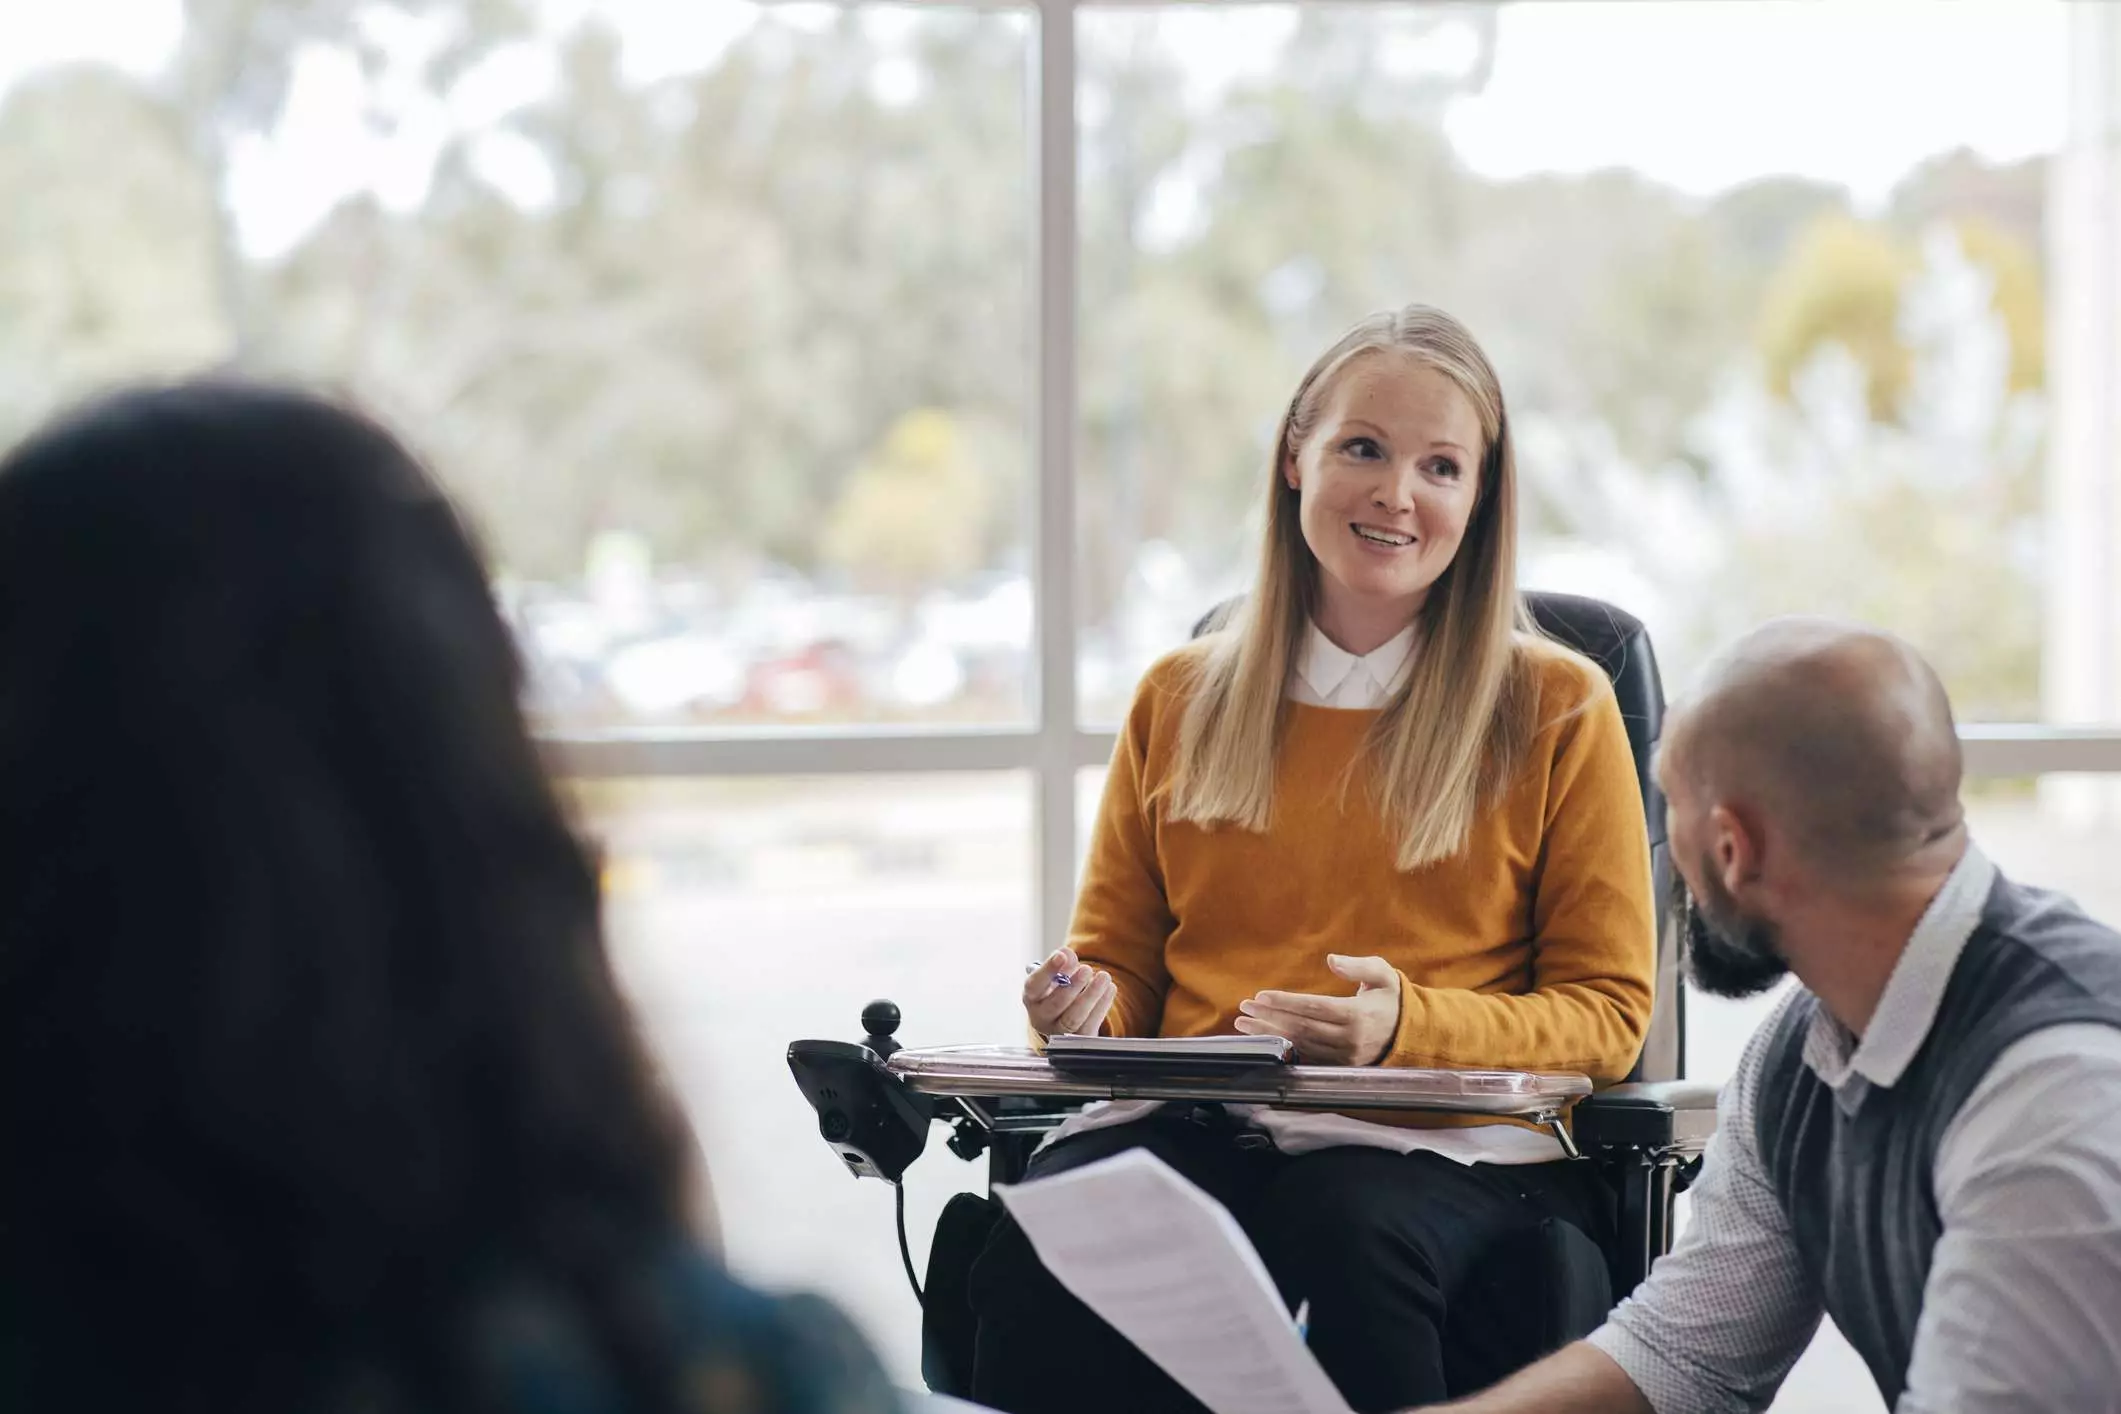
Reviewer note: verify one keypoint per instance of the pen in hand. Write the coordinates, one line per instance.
(1067, 995)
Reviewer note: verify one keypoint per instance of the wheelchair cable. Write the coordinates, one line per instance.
(905, 1249)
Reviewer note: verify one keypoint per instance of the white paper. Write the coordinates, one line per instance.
(1169, 1268)
(922, 1402)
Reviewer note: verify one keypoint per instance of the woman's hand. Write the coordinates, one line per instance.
(1355, 1030)
(1064, 998)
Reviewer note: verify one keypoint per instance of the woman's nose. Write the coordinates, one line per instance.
(1394, 490)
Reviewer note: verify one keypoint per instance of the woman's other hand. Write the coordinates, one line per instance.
(1064, 998)
(1355, 1030)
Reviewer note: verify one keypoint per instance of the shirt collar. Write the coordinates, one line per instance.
(1326, 665)
(1908, 1006)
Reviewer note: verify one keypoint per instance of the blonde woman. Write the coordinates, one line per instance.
(1380, 816)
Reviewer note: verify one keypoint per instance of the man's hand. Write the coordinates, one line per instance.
(1576, 1379)
(1355, 1030)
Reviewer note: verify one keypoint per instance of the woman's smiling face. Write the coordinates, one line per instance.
(1388, 479)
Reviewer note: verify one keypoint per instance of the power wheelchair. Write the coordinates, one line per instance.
(877, 1100)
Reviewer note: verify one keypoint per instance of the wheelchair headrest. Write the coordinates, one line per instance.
(1617, 642)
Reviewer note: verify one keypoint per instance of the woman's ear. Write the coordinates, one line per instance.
(1291, 477)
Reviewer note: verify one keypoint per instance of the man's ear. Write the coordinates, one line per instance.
(1736, 848)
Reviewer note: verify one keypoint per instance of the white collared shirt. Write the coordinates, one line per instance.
(2020, 1310)
(1912, 993)
(1327, 675)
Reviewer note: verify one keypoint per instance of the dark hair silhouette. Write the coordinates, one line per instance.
(306, 1024)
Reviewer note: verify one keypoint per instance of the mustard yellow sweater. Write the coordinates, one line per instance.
(1531, 950)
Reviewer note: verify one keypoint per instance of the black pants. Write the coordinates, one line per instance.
(1416, 1268)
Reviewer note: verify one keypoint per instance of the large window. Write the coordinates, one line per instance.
(717, 316)
(854, 398)
(747, 912)
(1766, 284)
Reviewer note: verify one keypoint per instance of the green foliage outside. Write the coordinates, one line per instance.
(778, 313)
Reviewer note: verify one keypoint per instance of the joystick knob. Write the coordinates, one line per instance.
(880, 1020)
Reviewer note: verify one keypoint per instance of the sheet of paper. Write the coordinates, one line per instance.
(922, 1402)
(1170, 1269)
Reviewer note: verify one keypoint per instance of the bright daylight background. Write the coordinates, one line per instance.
(720, 317)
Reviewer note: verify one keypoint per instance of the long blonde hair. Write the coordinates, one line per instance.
(1456, 731)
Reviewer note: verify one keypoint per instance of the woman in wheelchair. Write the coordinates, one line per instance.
(1379, 815)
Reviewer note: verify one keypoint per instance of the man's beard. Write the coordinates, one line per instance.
(1729, 954)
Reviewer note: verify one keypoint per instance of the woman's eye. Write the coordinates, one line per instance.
(1445, 468)
(1363, 448)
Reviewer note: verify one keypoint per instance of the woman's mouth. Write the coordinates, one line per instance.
(1382, 537)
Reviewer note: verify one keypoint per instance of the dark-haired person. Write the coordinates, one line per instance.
(320, 1095)
(1924, 1141)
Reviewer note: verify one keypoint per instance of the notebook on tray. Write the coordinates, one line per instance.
(1175, 1055)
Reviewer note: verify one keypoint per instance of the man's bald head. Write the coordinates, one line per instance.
(1839, 737)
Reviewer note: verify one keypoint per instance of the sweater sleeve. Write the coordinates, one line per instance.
(1122, 916)
(1593, 930)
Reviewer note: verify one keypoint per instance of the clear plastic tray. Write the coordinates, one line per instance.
(992, 1071)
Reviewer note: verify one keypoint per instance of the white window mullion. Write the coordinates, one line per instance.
(619, 755)
(1992, 749)
(2022, 750)
(1054, 555)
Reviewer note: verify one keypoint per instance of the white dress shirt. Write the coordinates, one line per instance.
(1327, 675)
(2022, 1307)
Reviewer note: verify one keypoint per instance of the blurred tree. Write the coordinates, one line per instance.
(914, 514)
(1843, 284)
(1135, 137)
(740, 282)
(1628, 324)
(107, 255)
(2020, 295)
(1757, 223)
(720, 298)
(1929, 522)
(235, 68)
(1840, 284)
(1407, 62)
(1939, 565)
(1960, 185)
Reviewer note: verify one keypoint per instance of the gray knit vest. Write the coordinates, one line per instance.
(1857, 1188)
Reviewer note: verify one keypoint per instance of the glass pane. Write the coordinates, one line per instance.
(1089, 793)
(747, 914)
(716, 315)
(2056, 832)
(1762, 357)
(2059, 832)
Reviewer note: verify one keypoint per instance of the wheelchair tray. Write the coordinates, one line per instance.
(981, 1072)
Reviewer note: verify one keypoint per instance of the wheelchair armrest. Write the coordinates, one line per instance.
(1665, 1115)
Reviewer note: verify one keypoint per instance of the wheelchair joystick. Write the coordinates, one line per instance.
(880, 1020)
(875, 1124)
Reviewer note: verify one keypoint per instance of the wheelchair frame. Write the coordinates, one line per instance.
(876, 1101)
